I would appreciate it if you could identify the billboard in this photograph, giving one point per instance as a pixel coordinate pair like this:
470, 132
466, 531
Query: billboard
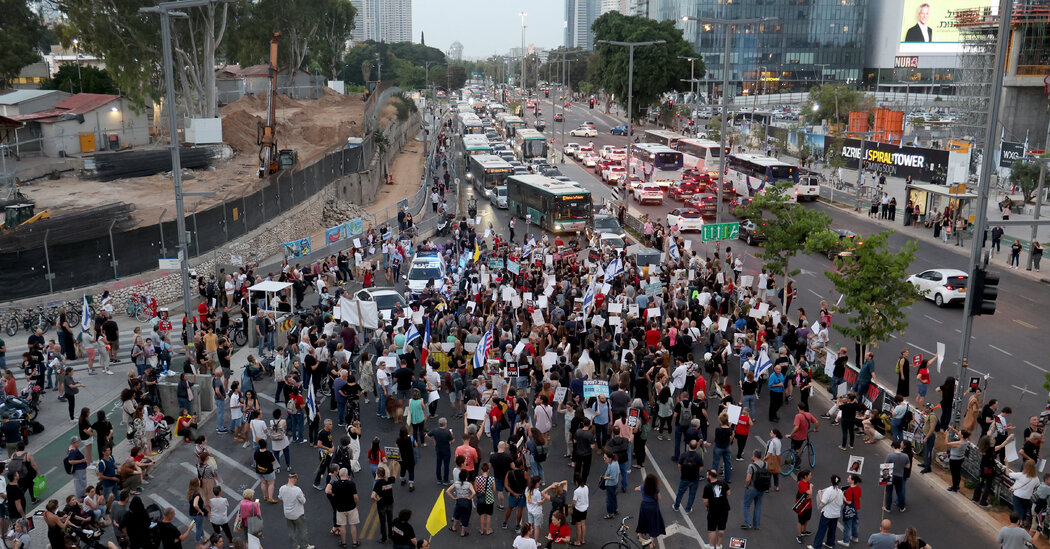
928, 26
921, 164
1010, 153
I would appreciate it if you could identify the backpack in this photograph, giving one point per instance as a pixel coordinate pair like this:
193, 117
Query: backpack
456, 381
540, 455
692, 460
685, 416
275, 432
67, 465
907, 417
762, 479
17, 464
343, 458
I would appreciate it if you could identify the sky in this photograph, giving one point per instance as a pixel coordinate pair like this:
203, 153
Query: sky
488, 27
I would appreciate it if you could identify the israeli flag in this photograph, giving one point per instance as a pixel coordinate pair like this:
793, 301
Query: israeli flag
481, 354
763, 362
588, 299
85, 318
614, 269
311, 403
410, 336
530, 246
672, 251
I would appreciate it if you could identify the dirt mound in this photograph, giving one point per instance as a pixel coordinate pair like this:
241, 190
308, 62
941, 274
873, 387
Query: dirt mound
257, 103
240, 131
387, 113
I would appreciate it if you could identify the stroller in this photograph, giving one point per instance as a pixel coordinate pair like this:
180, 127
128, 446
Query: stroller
161, 436
85, 537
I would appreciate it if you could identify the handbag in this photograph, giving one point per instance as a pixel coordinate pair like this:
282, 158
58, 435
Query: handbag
800, 504
849, 512
772, 461
255, 525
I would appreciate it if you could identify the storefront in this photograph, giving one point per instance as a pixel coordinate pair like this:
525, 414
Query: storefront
932, 199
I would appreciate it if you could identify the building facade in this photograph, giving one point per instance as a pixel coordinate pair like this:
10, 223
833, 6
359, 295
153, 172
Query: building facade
382, 20
579, 15
455, 51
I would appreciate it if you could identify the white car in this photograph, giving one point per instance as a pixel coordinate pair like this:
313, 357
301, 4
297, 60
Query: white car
426, 266
591, 160
570, 148
499, 197
387, 299
686, 219
605, 150
613, 241
619, 155
583, 150
613, 173
943, 286
648, 192
584, 131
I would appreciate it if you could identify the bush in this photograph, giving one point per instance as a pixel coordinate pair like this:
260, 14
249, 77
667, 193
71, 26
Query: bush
404, 105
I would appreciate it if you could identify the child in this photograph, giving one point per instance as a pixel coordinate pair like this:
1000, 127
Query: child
559, 532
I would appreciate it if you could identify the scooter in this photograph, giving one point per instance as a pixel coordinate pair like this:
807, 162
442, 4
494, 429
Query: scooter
444, 224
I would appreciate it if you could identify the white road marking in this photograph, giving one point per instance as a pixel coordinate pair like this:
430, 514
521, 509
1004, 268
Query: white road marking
233, 462
978, 372
815, 293
910, 344
688, 520
933, 319
1007, 353
1044, 370
1023, 389
164, 504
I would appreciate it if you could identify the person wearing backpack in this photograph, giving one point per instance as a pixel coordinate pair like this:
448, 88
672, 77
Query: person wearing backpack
689, 464
683, 417
831, 501
756, 484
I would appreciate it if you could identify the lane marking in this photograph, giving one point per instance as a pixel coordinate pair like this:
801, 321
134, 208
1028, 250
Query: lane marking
233, 462
226, 490
1007, 353
163, 503
910, 344
815, 293
978, 372
368, 528
1023, 323
1023, 389
1044, 370
933, 319
663, 479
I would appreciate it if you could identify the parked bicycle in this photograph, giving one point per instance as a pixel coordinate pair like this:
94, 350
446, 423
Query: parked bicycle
790, 458
30, 320
141, 307
625, 541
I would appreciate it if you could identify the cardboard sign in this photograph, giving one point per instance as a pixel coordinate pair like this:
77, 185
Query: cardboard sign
615, 321
512, 369
475, 413
940, 356
594, 388
885, 474
723, 324
746, 281
855, 465
916, 360
734, 413
652, 312
598, 321
548, 360
975, 383
615, 308
559, 394
737, 543
633, 416
537, 318
393, 453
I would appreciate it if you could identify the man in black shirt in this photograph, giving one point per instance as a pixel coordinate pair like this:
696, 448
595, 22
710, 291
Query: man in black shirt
383, 495
103, 432
501, 461
324, 444
16, 497
442, 437
403, 377
689, 464
402, 534
850, 410
170, 537
582, 449
344, 496
716, 500
516, 483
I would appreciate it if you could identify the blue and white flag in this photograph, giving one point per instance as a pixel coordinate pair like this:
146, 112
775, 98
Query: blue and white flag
672, 251
410, 336
311, 403
614, 269
530, 246
763, 362
481, 354
85, 318
588, 299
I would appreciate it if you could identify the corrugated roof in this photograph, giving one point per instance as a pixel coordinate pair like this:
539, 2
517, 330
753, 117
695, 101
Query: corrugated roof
19, 96
81, 103
9, 124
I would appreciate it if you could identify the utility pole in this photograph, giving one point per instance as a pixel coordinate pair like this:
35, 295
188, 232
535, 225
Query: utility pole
630, 111
725, 24
522, 15
821, 65
692, 78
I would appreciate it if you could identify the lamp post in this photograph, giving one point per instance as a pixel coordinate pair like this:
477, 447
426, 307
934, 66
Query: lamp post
725, 23
821, 65
76, 53
630, 112
691, 77
522, 15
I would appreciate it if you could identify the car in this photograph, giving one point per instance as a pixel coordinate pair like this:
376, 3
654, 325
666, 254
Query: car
605, 150
696, 176
584, 131
633, 182
728, 190
499, 197
648, 192
686, 219
387, 299
847, 241
620, 130
570, 148
943, 286
602, 164
584, 149
499, 147
559, 117
617, 155
607, 224
614, 241
739, 202
507, 155
589, 124
591, 160
530, 104
425, 266
705, 203
612, 173
751, 231
682, 190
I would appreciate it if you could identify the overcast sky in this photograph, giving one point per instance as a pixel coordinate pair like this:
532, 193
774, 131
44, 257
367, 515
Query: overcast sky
487, 27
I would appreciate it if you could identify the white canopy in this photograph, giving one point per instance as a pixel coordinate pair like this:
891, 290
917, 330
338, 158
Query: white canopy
269, 286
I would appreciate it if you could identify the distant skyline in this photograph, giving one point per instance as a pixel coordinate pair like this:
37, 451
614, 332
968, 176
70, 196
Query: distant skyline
487, 27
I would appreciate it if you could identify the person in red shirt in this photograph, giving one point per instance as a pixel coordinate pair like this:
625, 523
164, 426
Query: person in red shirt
559, 532
850, 529
700, 386
10, 387
470, 456
803, 421
803, 503
652, 335
743, 429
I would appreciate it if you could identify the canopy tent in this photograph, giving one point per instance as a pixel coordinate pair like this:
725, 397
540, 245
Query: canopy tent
269, 287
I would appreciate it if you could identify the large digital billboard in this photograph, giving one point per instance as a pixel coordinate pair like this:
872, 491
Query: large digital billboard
928, 26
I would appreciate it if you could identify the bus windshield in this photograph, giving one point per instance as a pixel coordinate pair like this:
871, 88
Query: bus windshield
668, 158
534, 148
571, 210
783, 172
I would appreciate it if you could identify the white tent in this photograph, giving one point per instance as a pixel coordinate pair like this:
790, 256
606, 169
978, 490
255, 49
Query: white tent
269, 287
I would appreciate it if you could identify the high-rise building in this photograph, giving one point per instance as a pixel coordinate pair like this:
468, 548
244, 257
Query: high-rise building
807, 43
455, 51
613, 5
579, 15
382, 20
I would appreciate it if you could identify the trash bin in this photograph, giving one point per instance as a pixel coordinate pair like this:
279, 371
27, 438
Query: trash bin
167, 388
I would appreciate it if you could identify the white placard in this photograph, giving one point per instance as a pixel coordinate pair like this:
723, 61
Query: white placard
447, 347
488, 233
704, 299
1011, 452
548, 360
518, 348
652, 312
754, 313
515, 302
763, 308
940, 355
471, 306
527, 296
417, 318
389, 361
541, 302
632, 311
477, 220
508, 294
615, 321
606, 288
689, 244
537, 318
776, 317
707, 322
1040, 464
598, 321
746, 281
476, 412
720, 278
469, 348
734, 413
357, 242
723, 324
559, 394
615, 308
829, 364
548, 291
843, 389
815, 327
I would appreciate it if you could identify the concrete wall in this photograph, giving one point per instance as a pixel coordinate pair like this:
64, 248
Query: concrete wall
1024, 109
363, 188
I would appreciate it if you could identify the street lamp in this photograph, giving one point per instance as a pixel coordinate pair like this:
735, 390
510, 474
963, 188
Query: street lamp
522, 15
691, 77
630, 112
76, 52
725, 23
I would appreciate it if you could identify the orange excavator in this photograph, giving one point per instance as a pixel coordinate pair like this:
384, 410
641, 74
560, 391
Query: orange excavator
267, 134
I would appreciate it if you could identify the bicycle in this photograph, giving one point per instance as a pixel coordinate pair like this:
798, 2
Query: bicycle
790, 458
625, 541
29, 320
140, 307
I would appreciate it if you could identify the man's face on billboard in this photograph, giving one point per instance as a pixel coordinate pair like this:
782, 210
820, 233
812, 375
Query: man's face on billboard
924, 14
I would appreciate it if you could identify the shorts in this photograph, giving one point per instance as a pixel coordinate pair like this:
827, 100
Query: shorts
804, 516
485, 508
235, 423
114, 344
717, 521
90, 350
578, 516
347, 518
499, 486
268, 476
923, 387
516, 501
796, 444
536, 519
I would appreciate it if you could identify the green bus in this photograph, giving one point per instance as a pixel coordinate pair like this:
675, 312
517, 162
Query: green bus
528, 144
475, 144
511, 125
553, 205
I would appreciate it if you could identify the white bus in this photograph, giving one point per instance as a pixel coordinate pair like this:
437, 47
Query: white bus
475, 144
666, 138
701, 154
660, 157
469, 123
750, 174
487, 172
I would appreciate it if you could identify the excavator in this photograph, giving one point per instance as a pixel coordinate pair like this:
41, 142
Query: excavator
270, 159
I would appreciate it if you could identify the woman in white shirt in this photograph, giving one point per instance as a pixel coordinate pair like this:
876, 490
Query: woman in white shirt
1025, 483
831, 499
524, 540
581, 501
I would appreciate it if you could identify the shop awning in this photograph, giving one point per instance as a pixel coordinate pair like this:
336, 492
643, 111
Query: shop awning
943, 190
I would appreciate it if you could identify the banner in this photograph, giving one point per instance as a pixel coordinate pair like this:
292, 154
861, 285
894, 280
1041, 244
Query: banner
359, 313
1010, 153
929, 26
297, 248
920, 163
355, 227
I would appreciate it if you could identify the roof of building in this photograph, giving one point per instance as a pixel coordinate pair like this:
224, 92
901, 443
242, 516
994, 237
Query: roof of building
19, 96
9, 124
81, 103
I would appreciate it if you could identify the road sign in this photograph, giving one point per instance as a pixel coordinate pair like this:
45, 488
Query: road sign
719, 231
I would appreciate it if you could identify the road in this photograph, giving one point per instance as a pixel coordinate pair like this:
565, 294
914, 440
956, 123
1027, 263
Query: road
1002, 345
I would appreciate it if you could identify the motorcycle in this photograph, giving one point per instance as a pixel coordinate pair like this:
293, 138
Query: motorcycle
472, 208
444, 224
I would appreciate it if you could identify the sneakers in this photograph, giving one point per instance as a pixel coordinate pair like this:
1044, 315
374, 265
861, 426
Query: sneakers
318, 487
675, 507
798, 540
843, 543
738, 458
109, 372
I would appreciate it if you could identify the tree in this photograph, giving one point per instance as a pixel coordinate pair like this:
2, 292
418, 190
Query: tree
20, 31
458, 76
834, 102
787, 227
1025, 175
657, 68
327, 55
873, 283
90, 80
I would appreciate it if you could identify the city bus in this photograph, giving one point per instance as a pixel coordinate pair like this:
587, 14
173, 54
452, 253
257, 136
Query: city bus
475, 144
528, 144
510, 124
662, 158
469, 123
666, 138
750, 173
553, 205
701, 154
488, 171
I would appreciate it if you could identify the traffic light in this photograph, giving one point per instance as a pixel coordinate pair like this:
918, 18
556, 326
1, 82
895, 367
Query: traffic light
670, 103
985, 290
546, 93
592, 102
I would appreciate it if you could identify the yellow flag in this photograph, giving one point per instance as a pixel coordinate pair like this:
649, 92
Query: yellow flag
437, 521
477, 252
